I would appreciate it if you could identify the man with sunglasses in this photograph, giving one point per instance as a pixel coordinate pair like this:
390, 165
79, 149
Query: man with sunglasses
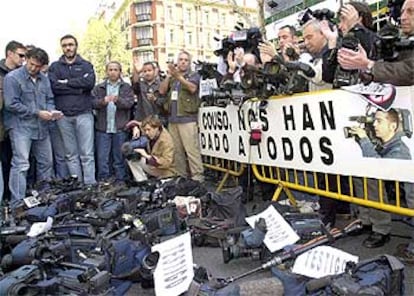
15, 57
73, 79
28, 104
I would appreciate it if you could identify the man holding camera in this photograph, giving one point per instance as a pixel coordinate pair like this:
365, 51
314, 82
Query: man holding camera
386, 127
399, 72
182, 103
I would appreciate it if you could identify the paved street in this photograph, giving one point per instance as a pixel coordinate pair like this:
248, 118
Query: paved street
212, 258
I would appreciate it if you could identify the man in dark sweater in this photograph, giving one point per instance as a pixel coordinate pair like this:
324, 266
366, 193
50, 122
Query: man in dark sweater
73, 79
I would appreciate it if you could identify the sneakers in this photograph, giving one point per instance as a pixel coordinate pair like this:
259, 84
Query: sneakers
376, 240
404, 255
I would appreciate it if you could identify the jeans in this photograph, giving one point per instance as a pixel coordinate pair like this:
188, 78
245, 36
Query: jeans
78, 139
42, 151
59, 163
108, 148
1, 188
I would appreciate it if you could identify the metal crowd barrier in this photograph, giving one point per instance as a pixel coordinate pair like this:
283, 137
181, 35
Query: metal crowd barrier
228, 167
358, 190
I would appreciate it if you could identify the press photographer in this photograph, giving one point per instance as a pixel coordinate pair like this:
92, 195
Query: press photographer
156, 159
355, 28
399, 72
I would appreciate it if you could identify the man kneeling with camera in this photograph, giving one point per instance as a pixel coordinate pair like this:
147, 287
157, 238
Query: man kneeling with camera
155, 156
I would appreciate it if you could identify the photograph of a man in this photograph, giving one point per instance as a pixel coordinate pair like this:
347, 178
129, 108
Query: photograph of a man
387, 130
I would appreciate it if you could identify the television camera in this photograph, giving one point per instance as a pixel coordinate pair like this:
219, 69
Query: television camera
319, 14
367, 122
390, 43
248, 39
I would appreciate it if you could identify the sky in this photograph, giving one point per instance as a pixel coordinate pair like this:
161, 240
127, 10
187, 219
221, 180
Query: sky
43, 22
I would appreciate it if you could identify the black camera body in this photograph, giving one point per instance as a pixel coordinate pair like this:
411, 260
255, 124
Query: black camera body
248, 39
319, 14
389, 43
405, 124
226, 94
342, 76
128, 151
207, 70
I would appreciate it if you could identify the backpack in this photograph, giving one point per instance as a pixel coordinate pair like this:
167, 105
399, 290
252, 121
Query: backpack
381, 276
225, 205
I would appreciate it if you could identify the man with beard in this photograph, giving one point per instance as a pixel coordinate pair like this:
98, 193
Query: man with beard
73, 79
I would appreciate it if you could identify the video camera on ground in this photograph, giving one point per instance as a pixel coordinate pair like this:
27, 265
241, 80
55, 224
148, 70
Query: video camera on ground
244, 242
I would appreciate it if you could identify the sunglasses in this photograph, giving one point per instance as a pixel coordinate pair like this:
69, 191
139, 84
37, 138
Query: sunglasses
22, 55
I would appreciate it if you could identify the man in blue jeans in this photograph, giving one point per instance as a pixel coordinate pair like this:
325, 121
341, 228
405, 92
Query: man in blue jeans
73, 79
28, 102
113, 100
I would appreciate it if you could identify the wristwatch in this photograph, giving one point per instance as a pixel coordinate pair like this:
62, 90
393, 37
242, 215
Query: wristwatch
369, 67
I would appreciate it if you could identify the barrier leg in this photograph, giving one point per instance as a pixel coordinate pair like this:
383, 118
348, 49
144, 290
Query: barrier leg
289, 194
223, 181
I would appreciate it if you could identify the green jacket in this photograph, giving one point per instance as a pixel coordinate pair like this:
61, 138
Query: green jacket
187, 103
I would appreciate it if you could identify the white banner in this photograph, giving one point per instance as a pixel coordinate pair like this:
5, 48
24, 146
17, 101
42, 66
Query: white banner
308, 131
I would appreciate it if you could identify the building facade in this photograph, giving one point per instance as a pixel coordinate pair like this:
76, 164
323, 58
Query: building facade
157, 30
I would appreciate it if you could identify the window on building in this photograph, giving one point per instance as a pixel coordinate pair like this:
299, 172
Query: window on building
146, 56
189, 38
170, 14
144, 32
170, 58
206, 17
208, 40
223, 19
188, 15
170, 36
143, 11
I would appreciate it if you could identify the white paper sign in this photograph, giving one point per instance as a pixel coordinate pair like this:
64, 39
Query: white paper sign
279, 233
174, 271
206, 87
322, 261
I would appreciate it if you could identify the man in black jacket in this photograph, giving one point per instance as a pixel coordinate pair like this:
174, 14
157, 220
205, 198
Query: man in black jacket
399, 72
73, 79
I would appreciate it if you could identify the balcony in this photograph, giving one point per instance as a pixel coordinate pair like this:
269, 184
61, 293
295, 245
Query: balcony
143, 17
144, 42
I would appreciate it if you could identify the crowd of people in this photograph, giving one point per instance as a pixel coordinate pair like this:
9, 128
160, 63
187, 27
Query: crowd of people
58, 122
